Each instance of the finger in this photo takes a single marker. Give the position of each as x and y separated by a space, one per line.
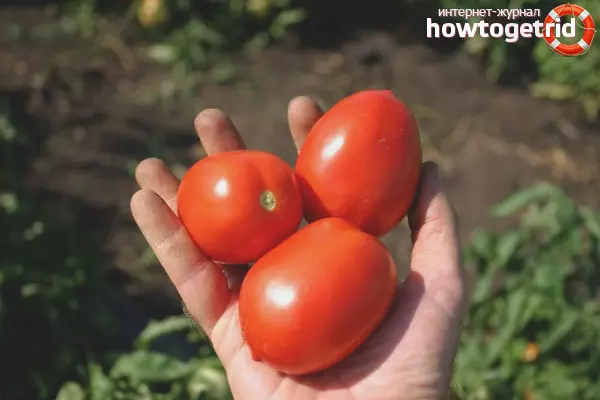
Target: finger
436 248
303 113
217 133
153 174
199 281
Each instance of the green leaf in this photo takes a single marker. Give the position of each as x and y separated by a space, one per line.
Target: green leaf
208 379
156 329
71 391
484 285
285 20
163 53
534 302
516 303
223 72
30 289
145 366
591 221
556 381
258 42
198 30
9 202
507 246
554 91
482 242
101 386
559 331
290 17
497 60
517 201
7 130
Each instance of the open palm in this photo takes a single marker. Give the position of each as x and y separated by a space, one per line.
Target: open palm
409 356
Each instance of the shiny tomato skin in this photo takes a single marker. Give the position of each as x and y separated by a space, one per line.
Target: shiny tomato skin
238 205
361 162
311 301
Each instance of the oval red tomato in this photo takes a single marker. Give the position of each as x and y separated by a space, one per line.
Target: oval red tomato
312 300
361 162
238 205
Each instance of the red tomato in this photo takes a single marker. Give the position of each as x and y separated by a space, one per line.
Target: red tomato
238 205
361 162
311 301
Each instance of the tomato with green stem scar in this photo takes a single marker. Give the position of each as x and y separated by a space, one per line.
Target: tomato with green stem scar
238 205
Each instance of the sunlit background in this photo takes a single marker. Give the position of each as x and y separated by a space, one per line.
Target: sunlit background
90 88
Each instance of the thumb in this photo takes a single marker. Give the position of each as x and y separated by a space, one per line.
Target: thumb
436 254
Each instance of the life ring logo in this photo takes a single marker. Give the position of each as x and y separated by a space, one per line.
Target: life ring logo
583 17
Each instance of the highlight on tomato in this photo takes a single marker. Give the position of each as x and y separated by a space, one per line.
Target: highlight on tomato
361 162
238 205
314 299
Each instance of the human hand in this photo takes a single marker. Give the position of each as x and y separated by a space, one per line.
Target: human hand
410 356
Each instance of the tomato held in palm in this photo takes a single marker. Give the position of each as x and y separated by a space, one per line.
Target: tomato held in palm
361 162
238 205
311 301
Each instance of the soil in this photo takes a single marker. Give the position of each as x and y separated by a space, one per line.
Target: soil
90 111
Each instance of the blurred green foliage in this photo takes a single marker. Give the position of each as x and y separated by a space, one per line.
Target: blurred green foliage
533 328
191 36
556 77
188 35
55 322
152 375
571 78
192 39
51 282
189 41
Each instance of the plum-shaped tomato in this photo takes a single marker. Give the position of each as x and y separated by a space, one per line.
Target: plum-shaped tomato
361 162
311 301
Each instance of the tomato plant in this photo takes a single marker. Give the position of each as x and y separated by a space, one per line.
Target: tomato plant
361 162
312 300
238 205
